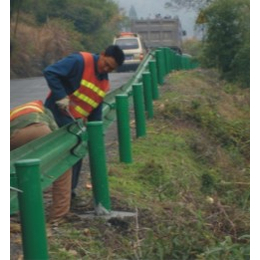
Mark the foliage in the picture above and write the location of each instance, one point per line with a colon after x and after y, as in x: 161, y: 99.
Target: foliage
x: 227, y: 41
x: 87, y: 16
x: 33, y: 48
x: 193, y: 47
x: 132, y: 13
x: 240, y: 65
x: 59, y: 27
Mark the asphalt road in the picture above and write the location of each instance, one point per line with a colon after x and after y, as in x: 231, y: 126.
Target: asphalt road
x: 25, y: 90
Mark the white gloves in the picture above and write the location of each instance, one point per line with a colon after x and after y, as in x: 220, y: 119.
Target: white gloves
x: 63, y: 103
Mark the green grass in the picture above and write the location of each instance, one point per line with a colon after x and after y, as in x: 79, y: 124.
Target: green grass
x: 189, y: 181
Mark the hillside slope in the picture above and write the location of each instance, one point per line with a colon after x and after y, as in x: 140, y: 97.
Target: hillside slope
x: 189, y: 182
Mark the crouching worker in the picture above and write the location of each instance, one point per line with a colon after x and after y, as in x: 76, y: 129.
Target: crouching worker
x: 31, y: 121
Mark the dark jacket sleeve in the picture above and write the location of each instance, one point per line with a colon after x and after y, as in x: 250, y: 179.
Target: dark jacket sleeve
x: 63, y: 75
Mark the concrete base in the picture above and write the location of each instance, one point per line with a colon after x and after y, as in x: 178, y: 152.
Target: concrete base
x: 112, y: 214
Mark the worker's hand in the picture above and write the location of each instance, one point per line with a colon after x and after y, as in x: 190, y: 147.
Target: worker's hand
x: 63, y: 103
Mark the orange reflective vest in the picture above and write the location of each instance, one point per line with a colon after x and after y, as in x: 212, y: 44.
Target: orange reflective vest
x: 30, y: 107
x: 91, y: 91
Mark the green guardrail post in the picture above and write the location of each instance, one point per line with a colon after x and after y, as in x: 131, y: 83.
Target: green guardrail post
x: 153, y: 71
x: 164, y: 60
x: 148, y: 101
x: 97, y: 161
x: 139, y: 110
x: 179, y: 65
x: 175, y: 60
x: 31, y: 209
x: 171, y: 53
x: 163, y: 49
x: 189, y: 63
x: 123, y: 127
x: 172, y: 59
x: 168, y: 61
x: 183, y: 65
x: 184, y: 62
x: 160, y: 66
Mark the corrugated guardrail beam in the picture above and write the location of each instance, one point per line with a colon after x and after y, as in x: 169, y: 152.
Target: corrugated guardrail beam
x: 57, y: 151
x: 61, y: 149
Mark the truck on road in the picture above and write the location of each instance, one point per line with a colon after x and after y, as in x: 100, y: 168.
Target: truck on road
x: 160, y: 32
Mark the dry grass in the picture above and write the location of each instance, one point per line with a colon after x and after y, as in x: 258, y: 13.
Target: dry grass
x: 33, y: 48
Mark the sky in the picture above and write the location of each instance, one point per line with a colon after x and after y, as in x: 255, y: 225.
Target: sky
x: 148, y: 8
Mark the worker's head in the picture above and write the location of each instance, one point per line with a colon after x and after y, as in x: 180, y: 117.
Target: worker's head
x: 110, y: 59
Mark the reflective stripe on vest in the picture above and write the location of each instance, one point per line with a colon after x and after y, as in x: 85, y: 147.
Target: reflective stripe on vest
x: 30, y: 107
x: 96, y: 89
x: 81, y: 111
x: 85, y: 99
x: 91, y: 91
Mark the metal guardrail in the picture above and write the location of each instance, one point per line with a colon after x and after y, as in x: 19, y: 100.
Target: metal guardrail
x: 61, y: 149
x: 55, y: 153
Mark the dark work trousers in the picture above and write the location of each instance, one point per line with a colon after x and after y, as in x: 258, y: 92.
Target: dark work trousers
x: 75, y: 175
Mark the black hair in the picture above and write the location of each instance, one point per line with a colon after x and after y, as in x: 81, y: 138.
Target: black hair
x: 115, y: 52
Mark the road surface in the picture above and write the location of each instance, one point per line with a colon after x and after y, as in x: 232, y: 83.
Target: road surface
x: 25, y: 90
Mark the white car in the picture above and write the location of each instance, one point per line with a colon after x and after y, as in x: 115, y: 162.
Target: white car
x: 133, y: 48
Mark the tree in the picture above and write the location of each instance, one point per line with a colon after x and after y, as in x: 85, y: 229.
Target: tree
x: 132, y: 13
x: 14, y: 6
x: 51, y: 29
x: 226, y: 44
